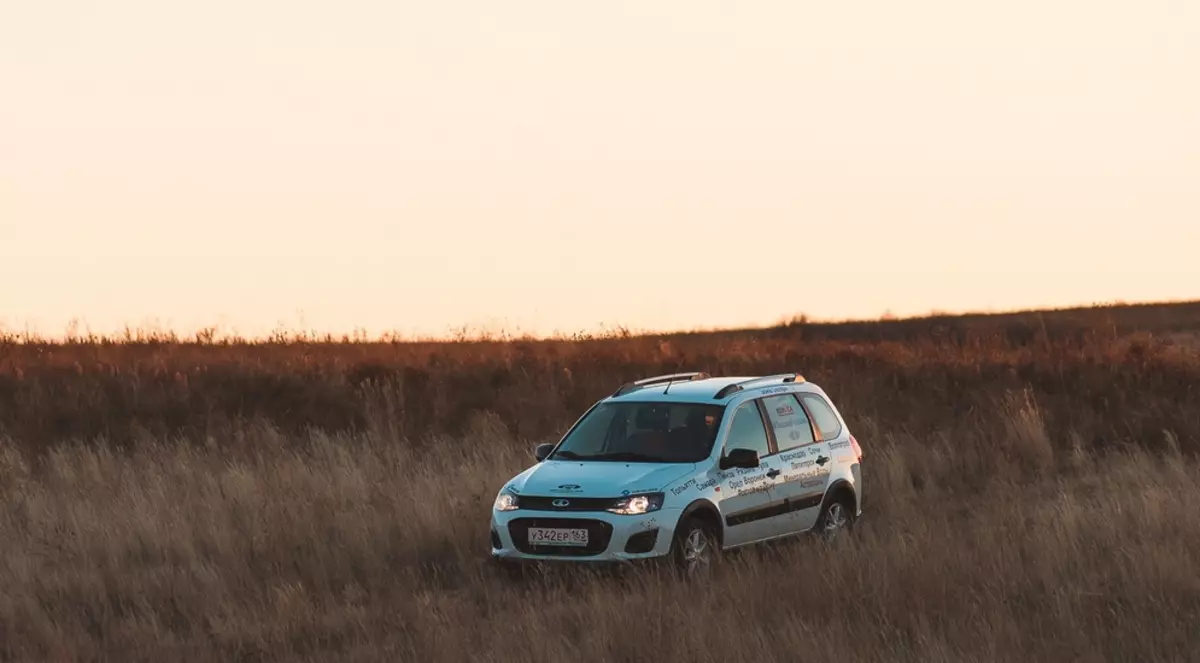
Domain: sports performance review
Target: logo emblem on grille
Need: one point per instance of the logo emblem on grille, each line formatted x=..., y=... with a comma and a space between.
x=560, y=503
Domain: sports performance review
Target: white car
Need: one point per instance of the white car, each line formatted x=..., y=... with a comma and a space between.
x=684, y=466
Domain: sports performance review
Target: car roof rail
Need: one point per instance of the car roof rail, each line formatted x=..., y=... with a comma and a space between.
x=739, y=386
x=659, y=379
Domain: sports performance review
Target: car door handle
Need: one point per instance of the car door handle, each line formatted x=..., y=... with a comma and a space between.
x=821, y=460
x=773, y=473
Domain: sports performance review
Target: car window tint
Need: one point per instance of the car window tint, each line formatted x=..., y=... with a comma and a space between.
x=596, y=432
x=653, y=432
x=827, y=420
x=747, y=431
x=790, y=423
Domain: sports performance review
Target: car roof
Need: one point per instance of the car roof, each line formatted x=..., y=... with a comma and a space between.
x=702, y=390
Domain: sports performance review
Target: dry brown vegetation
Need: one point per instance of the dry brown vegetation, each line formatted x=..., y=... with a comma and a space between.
x=1031, y=488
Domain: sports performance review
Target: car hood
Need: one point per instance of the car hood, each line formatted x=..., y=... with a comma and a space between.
x=597, y=478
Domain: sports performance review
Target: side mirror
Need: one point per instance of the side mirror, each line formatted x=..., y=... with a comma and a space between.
x=542, y=450
x=740, y=458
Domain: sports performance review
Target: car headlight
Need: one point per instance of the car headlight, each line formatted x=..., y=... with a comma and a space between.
x=506, y=501
x=635, y=505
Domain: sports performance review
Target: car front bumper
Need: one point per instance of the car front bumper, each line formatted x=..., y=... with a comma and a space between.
x=611, y=537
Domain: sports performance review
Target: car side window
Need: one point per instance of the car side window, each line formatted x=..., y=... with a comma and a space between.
x=747, y=431
x=789, y=421
x=827, y=420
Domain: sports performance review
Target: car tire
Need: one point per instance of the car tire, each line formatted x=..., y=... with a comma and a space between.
x=695, y=549
x=837, y=517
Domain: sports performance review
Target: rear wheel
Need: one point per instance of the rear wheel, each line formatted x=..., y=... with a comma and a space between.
x=837, y=517
x=695, y=549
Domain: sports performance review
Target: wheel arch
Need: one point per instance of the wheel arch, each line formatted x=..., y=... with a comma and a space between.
x=841, y=487
x=704, y=508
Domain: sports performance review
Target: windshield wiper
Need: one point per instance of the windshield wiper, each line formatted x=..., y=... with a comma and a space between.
x=568, y=454
x=632, y=456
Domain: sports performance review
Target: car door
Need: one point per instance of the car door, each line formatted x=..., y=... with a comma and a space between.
x=748, y=504
x=803, y=458
x=835, y=439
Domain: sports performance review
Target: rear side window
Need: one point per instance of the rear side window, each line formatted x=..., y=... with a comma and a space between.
x=791, y=425
x=827, y=421
x=746, y=431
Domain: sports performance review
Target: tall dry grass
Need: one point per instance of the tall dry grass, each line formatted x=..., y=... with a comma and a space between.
x=1031, y=484
x=1109, y=376
x=983, y=543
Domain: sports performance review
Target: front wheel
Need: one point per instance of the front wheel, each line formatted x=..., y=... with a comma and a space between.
x=695, y=549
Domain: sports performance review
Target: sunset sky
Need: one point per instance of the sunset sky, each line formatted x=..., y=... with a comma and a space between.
x=553, y=166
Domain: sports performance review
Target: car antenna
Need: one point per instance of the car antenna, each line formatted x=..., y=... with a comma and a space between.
x=668, y=387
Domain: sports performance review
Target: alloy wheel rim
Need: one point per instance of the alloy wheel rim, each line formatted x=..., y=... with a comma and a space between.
x=696, y=551
x=835, y=519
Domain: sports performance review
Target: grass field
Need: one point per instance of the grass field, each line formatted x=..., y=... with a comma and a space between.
x=1031, y=490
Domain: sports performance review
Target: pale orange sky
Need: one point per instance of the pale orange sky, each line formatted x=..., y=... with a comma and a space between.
x=549, y=165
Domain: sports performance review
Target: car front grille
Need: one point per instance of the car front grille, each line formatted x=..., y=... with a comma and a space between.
x=599, y=534
x=544, y=503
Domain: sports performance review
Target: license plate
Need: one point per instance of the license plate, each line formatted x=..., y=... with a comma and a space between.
x=557, y=536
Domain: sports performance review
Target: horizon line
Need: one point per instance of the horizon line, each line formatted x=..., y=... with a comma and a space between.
x=214, y=335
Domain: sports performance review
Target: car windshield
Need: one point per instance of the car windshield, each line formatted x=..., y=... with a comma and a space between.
x=643, y=433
